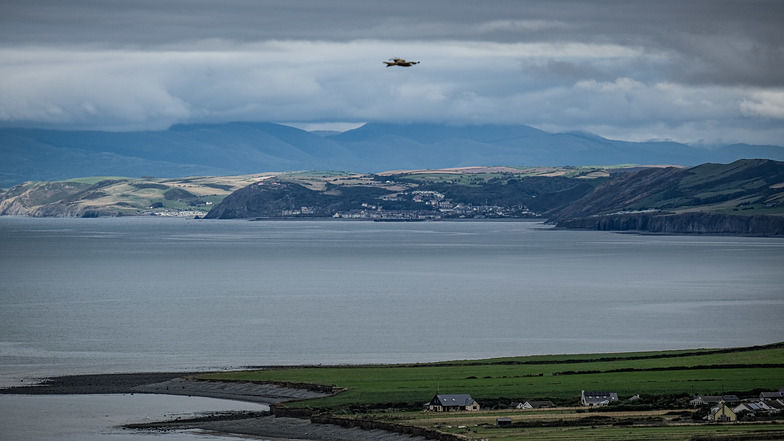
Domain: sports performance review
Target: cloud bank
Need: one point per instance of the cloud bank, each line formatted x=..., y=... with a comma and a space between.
x=694, y=71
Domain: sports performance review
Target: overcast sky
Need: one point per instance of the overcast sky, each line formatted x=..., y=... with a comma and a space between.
x=688, y=70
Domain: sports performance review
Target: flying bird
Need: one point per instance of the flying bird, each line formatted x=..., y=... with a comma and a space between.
x=400, y=62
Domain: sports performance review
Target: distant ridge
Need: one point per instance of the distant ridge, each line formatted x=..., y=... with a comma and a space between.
x=253, y=147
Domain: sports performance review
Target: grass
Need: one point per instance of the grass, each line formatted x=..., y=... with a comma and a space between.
x=96, y=179
x=650, y=425
x=611, y=433
x=395, y=394
x=557, y=377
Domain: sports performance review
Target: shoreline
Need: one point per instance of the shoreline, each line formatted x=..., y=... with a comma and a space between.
x=264, y=424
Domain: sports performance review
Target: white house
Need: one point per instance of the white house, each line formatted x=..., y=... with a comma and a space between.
x=597, y=398
x=452, y=402
x=535, y=405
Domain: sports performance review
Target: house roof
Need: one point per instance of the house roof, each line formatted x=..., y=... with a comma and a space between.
x=536, y=404
x=709, y=398
x=453, y=400
x=599, y=396
x=774, y=404
x=754, y=407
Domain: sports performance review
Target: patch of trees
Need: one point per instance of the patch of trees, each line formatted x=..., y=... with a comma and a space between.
x=143, y=185
x=223, y=187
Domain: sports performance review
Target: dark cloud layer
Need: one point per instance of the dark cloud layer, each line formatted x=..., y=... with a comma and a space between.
x=686, y=69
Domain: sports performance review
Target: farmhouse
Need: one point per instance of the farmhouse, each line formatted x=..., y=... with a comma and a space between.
x=722, y=414
x=535, y=405
x=597, y=398
x=452, y=402
x=755, y=408
x=771, y=395
x=764, y=407
x=700, y=400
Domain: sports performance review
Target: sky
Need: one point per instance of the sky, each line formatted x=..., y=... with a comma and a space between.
x=696, y=71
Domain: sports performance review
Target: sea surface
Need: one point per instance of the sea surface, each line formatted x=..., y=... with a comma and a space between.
x=161, y=294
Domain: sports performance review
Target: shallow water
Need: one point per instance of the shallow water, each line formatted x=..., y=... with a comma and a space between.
x=100, y=417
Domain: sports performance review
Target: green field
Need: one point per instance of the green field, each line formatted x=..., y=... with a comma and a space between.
x=559, y=378
x=395, y=394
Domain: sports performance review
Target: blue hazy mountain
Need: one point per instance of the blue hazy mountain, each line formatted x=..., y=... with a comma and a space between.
x=242, y=148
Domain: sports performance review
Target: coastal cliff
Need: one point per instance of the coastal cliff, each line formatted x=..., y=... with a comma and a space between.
x=745, y=197
x=687, y=223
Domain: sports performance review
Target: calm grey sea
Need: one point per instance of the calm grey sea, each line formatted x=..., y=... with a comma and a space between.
x=151, y=294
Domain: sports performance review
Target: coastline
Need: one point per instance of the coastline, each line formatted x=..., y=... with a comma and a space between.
x=254, y=424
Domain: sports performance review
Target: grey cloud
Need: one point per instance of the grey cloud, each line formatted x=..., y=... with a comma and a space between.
x=619, y=66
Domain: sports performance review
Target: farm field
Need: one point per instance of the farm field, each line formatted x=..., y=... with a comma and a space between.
x=568, y=424
x=559, y=378
x=665, y=381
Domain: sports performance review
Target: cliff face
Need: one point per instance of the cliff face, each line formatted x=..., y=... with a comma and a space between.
x=710, y=199
x=699, y=223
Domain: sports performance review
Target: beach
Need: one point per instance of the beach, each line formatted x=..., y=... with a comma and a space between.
x=262, y=425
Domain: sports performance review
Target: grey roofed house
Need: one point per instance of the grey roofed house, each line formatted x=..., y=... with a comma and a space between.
x=774, y=405
x=770, y=395
x=597, y=398
x=450, y=402
x=750, y=407
x=699, y=400
x=536, y=405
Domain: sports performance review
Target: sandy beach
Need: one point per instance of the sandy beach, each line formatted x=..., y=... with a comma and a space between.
x=263, y=425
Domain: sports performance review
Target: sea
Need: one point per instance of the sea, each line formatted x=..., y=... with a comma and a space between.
x=146, y=294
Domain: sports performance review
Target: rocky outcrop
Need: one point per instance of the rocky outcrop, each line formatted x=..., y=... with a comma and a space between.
x=699, y=223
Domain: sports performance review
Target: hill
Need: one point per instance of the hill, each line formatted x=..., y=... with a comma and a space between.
x=743, y=197
x=244, y=148
x=710, y=198
x=119, y=196
x=470, y=192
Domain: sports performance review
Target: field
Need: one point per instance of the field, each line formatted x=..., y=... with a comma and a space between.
x=568, y=424
x=558, y=378
x=665, y=381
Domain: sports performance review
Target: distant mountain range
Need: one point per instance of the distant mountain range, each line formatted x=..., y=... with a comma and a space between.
x=244, y=148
